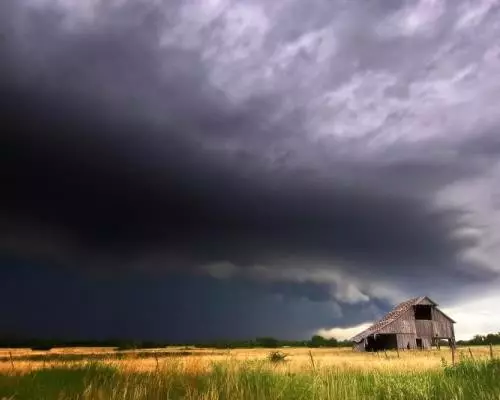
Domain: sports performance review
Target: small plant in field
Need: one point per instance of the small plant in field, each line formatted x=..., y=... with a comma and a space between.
x=277, y=357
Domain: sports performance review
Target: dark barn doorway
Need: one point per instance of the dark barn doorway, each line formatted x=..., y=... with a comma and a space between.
x=381, y=342
x=419, y=344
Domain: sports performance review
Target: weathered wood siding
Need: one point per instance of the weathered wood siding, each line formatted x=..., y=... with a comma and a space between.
x=405, y=324
x=439, y=327
x=405, y=338
x=437, y=315
x=442, y=326
x=424, y=328
x=426, y=342
x=442, y=329
x=359, y=346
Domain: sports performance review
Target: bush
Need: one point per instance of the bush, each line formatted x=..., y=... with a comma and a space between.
x=277, y=357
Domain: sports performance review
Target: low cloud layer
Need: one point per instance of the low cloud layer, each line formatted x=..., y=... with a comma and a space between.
x=339, y=152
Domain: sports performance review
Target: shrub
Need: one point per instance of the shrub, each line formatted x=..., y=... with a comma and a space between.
x=277, y=357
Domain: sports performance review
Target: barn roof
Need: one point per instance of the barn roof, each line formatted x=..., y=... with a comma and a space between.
x=396, y=313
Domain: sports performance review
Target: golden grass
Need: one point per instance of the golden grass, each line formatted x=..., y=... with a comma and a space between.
x=5, y=352
x=299, y=359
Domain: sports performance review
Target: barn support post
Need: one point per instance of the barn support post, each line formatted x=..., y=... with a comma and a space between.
x=452, y=355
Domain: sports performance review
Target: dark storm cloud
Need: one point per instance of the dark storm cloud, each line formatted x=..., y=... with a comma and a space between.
x=176, y=308
x=153, y=136
x=106, y=201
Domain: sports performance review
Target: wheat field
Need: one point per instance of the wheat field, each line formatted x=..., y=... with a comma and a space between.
x=190, y=373
x=202, y=360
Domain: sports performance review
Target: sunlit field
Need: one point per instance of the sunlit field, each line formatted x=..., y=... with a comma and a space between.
x=202, y=360
x=327, y=373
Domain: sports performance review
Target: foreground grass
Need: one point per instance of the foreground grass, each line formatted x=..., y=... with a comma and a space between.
x=469, y=379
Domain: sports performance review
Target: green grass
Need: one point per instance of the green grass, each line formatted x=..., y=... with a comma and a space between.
x=468, y=379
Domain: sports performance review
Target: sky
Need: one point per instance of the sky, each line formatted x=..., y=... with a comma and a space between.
x=199, y=169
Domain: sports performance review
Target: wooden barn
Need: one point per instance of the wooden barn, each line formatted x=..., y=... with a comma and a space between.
x=414, y=324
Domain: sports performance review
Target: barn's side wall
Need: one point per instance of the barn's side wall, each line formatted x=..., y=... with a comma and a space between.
x=439, y=327
x=404, y=328
x=442, y=326
x=359, y=346
x=404, y=324
x=424, y=328
x=407, y=338
x=426, y=342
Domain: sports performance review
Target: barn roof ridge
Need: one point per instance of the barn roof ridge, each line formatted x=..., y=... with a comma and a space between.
x=392, y=316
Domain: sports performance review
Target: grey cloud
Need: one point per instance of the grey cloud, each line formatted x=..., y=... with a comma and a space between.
x=171, y=142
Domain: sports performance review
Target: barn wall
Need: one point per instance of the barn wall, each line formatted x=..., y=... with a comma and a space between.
x=442, y=329
x=442, y=326
x=359, y=346
x=426, y=342
x=424, y=328
x=405, y=324
x=405, y=338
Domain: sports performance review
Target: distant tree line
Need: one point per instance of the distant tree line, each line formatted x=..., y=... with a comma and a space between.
x=271, y=342
x=478, y=340
x=262, y=342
